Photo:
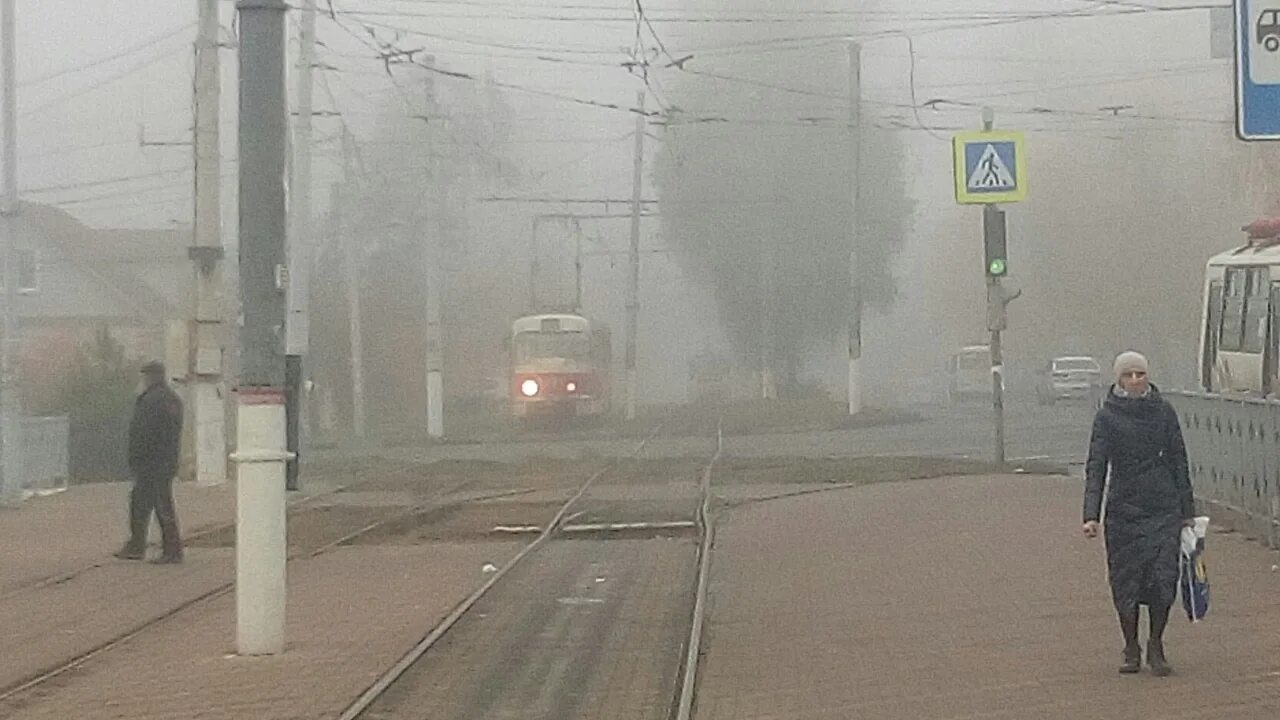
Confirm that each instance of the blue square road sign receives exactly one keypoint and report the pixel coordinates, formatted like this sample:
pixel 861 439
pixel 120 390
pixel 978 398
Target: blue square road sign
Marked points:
pixel 1257 39
pixel 990 168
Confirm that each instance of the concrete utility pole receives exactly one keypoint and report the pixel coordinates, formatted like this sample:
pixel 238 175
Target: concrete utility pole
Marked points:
pixel 205 362
pixel 534 265
pixel 577 267
pixel 633 267
pixel 260 452
pixel 301 240
pixel 768 324
pixel 352 279
pixel 434 266
pixel 11 450
pixel 855 261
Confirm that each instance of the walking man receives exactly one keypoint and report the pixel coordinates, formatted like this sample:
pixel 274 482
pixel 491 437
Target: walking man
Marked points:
pixel 155 434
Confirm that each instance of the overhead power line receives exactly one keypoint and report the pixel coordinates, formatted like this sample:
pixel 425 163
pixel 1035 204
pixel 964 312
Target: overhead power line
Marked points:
pixel 99 84
pixel 107 181
pixel 392 55
pixel 91 64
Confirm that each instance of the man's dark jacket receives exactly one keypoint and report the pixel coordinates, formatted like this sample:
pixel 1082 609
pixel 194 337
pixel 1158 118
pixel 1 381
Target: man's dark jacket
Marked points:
pixel 155 433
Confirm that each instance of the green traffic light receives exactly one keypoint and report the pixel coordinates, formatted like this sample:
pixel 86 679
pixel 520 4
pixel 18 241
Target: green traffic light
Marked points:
pixel 997 266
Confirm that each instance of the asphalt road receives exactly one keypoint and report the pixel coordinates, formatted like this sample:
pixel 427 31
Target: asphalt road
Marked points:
pixel 1057 433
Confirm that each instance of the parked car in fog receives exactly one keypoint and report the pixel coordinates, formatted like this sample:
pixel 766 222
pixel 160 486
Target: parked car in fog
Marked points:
pixel 969 374
pixel 1069 377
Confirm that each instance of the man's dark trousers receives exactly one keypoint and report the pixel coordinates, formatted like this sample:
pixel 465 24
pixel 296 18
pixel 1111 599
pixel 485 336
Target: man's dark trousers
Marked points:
pixel 153 492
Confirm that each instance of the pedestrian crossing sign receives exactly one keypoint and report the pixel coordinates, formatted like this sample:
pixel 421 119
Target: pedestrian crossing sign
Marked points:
pixel 990 168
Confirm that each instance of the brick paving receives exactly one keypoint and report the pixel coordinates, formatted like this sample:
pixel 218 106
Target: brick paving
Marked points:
pixel 66 532
pixel 56 623
pixel 61 592
pixel 79 528
pixel 351 615
pixel 958 600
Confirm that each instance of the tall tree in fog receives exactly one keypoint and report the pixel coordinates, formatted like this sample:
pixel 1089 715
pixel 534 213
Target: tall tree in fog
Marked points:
pixel 1114 243
pixel 755 182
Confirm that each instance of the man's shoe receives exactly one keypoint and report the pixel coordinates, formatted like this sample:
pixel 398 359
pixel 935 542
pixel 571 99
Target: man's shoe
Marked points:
pixel 128 553
pixel 167 559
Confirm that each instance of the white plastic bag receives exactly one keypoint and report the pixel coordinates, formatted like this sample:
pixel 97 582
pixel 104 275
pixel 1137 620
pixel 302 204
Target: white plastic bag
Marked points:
pixel 1193 578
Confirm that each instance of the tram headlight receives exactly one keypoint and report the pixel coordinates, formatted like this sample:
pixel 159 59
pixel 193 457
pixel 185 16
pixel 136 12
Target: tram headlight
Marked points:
pixel 571 386
pixel 529 387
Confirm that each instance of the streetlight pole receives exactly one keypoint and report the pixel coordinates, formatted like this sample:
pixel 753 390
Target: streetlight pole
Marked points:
pixel 260 448
pixel 855 260
pixel 11 470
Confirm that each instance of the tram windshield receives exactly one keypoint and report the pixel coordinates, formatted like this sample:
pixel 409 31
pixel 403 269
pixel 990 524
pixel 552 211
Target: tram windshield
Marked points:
pixel 567 345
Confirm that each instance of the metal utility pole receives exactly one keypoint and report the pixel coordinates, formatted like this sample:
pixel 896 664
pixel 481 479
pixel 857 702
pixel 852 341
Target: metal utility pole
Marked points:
pixel 633 268
pixel 993 223
pixel 260 447
pixel 434 268
pixel 205 362
pixel 11 467
pixel 855 263
pixel 297 327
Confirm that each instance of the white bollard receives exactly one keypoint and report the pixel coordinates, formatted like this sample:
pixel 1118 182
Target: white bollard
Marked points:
pixel 260 522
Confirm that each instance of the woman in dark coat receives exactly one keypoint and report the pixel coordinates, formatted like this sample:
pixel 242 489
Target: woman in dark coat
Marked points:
pixel 1136 434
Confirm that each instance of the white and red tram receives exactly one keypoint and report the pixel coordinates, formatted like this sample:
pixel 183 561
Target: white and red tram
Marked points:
pixel 560 365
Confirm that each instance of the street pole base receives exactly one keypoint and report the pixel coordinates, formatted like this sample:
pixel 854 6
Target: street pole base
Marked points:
pixel 260 522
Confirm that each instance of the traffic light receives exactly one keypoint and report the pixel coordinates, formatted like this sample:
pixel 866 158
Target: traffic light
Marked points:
pixel 995 249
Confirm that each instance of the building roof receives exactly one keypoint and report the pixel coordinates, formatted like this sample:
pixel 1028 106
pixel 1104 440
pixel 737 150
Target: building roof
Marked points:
pixel 145 271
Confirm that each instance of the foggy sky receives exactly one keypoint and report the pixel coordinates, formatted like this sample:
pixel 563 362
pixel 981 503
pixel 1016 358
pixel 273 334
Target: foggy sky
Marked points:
pixel 82 127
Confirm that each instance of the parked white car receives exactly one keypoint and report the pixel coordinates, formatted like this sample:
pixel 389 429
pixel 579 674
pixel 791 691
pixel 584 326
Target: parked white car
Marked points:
pixel 1070 377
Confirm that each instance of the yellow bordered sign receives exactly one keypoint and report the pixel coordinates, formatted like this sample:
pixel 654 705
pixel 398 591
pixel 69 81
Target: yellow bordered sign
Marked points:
pixel 990 167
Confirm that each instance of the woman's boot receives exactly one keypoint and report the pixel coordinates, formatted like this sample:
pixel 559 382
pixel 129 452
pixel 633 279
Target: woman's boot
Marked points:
pixel 1155 644
pixel 1132 650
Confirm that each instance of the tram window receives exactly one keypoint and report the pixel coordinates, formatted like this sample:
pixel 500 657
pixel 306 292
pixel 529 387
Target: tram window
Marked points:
pixel 1212 326
pixel 1255 324
pixel 1271 363
pixel 1231 338
pixel 1257 307
pixel 1255 331
pixel 568 345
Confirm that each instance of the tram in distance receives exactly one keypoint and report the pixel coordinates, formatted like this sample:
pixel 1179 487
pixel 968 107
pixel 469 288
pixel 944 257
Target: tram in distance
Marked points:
pixel 1240 319
pixel 560 366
